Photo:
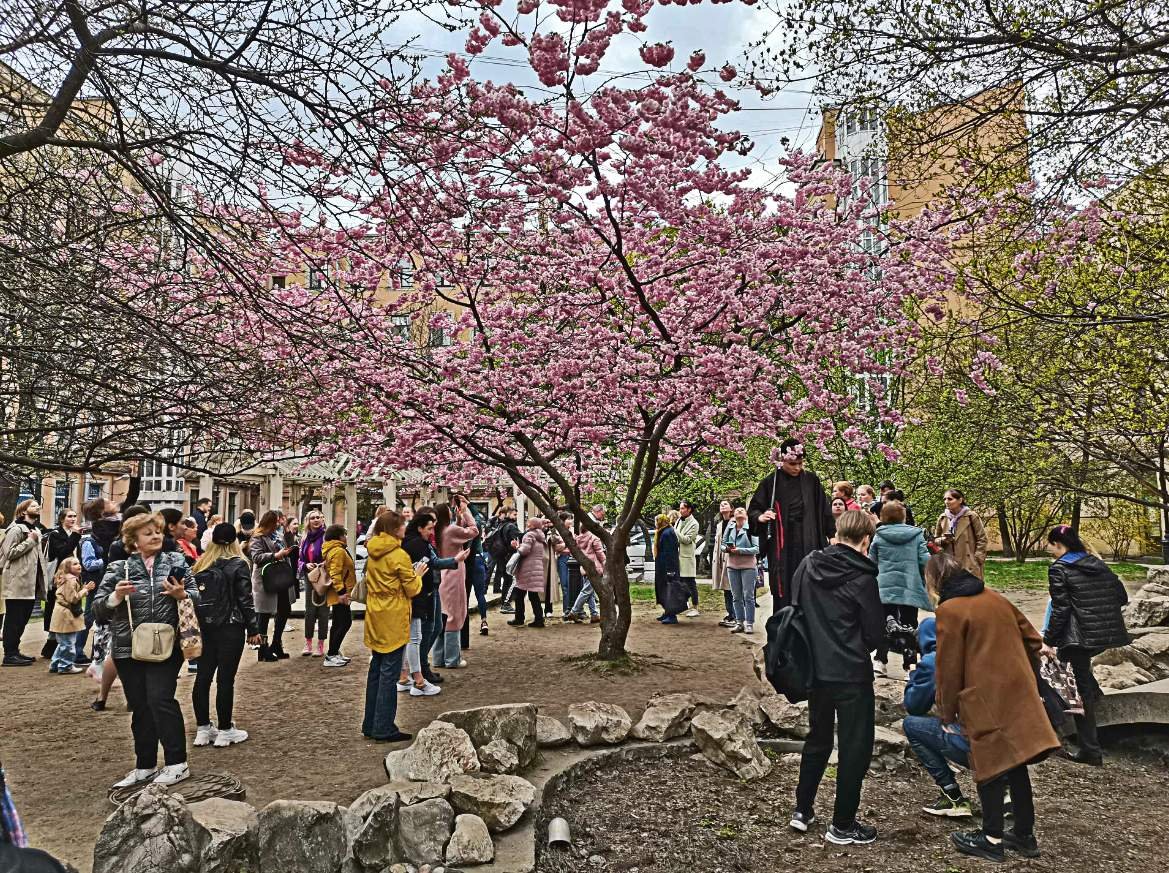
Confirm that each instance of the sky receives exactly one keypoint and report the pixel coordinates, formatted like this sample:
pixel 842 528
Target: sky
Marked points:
pixel 722 32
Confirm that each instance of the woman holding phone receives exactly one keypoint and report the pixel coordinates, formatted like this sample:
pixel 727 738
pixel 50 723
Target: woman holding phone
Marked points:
pixel 146 588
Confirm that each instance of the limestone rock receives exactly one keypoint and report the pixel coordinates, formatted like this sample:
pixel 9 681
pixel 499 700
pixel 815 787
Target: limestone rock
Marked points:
pixel 889 748
pixel 471 842
pixel 1158 576
pixel 759 665
pixel 726 739
pixel 789 719
pixel 373 821
pixel 1156 645
pixel 440 750
pixel 423 831
pixel 666 717
pixel 225 833
pixel 889 695
pixel 746 703
pixel 500 801
pixel 1147 611
pixel 498 756
pixel 307 836
pixel 512 723
pixel 1121 676
pixel 410 793
pixel 595 723
pixel 551 732
pixel 151 831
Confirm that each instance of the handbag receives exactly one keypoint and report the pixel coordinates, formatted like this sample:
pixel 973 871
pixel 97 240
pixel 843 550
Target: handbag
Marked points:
pixel 513 564
pixel 277 576
pixel 1062 680
pixel 318 578
pixel 190 636
pixel 151 641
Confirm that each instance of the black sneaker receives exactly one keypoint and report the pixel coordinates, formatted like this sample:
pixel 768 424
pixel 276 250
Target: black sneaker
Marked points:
pixel 975 844
pixel 801 821
pixel 1082 757
pixel 949 807
pixel 13 661
pixel 858 832
pixel 1028 847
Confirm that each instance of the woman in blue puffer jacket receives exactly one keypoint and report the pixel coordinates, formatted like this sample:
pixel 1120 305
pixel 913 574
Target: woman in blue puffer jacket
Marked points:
pixel 899 551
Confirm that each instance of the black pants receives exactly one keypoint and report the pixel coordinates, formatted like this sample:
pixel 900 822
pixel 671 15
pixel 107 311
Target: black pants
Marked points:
pixel 691 586
pixel 501 579
pixel 729 600
pixel 1086 735
pixel 852 705
pixel 283 611
pixel 902 614
pixel 150 692
pixel 222 649
pixel 534 599
pixel 16 616
pixel 992 793
pixel 340 621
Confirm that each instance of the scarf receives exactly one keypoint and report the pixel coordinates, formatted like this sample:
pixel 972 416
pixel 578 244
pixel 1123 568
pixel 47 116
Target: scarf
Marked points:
pixel 953 519
pixel 310 547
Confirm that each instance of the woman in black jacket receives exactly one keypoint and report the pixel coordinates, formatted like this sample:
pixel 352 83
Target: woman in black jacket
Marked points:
pixel 226 615
pixel 147 588
pixel 416 676
pixel 1086 618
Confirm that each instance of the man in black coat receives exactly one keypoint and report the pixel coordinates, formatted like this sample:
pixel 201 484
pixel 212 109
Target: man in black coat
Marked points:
pixel 837 594
pixel 791 516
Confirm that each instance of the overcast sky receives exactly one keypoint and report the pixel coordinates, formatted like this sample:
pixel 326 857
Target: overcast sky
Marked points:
pixel 722 31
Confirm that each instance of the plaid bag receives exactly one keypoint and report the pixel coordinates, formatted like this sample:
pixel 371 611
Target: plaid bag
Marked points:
pixel 1062 680
pixel 190 636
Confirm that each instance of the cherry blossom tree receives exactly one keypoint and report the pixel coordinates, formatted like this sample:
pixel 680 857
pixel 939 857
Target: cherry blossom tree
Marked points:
pixel 604 296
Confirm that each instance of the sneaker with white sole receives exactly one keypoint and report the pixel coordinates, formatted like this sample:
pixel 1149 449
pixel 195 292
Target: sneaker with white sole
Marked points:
pixel 727 622
pixel 335 661
pixel 403 687
pixel 206 735
pixel 693 613
pixel 801 821
pixel 738 629
pixel 427 689
pixel 748 628
pixel 230 737
pixel 171 774
pixel 134 777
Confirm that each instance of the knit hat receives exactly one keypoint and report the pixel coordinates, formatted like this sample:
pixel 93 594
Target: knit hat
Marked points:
pixel 223 533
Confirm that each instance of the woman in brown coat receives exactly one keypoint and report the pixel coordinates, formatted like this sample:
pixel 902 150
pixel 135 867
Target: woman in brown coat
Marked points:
pixel 962 533
pixel 987 668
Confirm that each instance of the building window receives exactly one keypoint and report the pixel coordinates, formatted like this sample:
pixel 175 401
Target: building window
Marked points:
pixel 279 281
pixel 232 506
pixel 406 274
pixel 60 496
pixel 439 337
pixel 315 279
pixel 93 489
pixel 868 118
pixel 401 328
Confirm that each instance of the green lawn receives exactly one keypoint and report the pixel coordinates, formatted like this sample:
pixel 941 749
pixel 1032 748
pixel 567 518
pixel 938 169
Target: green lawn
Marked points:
pixel 1032 576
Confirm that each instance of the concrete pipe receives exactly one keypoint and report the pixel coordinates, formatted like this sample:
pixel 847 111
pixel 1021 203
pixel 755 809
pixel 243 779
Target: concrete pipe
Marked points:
pixel 559 836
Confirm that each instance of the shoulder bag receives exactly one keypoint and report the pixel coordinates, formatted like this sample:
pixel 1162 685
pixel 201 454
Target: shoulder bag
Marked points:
pixel 151 641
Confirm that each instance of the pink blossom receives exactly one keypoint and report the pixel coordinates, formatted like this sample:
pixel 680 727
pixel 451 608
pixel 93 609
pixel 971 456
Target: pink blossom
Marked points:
pixel 697 59
pixel 727 73
pixel 657 55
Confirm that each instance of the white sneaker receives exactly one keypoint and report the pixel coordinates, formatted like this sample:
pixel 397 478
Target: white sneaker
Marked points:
pixel 335 661
pixel 748 628
pixel 229 737
pixel 694 613
pixel 428 689
pixel 403 687
pixel 205 735
pixel 880 668
pixel 134 777
pixel 171 774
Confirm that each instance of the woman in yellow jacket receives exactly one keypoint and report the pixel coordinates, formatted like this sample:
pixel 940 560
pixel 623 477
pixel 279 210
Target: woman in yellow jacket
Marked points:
pixel 342 580
pixel 391 582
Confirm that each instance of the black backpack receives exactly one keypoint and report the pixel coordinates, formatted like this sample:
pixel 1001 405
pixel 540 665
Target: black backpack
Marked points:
pixel 214 597
pixel 787 654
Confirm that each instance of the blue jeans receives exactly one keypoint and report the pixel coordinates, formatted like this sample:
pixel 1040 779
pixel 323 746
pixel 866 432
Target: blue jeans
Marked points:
pixel 381 694
pixel 562 571
pixel 477 571
pixel 935 748
pixel 743 593
pixel 447 651
pixel 65 654
pixel 587 595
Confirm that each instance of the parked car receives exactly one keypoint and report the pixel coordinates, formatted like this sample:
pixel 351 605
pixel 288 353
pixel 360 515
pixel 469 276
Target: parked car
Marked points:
pixel 640 558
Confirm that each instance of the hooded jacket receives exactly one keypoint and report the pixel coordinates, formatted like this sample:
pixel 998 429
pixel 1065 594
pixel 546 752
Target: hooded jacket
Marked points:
pixel 390 585
pixel 837 590
pixel 900 555
pixel 1086 602
pixel 920 688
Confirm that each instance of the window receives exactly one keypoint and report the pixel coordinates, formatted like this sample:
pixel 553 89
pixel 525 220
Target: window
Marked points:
pixel 439 337
pixel 401 328
pixel 232 506
pixel 160 477
pixel 406 273
pixel 279 281
pixel 315 279
pixel 60 496
pixel 868 118
pixel 93 489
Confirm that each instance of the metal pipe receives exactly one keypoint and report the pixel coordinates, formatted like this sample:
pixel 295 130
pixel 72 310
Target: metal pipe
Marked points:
pixel 559 836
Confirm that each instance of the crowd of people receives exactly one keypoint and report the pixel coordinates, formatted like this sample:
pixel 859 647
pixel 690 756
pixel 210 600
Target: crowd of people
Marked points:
pixel 136 587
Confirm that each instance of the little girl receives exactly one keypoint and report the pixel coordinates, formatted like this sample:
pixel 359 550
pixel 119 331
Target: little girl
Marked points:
pixel 68 618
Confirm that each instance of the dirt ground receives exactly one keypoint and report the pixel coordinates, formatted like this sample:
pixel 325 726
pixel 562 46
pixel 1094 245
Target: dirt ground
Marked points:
pixel 690 817
pixel 304 720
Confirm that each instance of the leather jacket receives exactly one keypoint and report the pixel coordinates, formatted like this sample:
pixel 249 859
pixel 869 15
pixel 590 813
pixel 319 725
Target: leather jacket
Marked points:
pixel 225 596
pixel 148 603
pixel 1086 601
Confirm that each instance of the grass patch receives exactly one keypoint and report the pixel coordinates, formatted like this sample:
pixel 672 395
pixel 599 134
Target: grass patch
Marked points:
pixel 708 598
pixel 629 664
pixel 1032 576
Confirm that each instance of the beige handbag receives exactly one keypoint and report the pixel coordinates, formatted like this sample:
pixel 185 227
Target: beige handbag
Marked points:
pixel 152 641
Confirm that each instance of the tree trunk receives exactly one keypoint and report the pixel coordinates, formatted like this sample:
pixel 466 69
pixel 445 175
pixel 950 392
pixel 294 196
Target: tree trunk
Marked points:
pixel 1005 531
pixel 613 591
pixel 1077 511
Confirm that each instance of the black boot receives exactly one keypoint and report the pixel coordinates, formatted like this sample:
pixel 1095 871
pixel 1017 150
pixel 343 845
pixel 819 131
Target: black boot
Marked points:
pixel 265 653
